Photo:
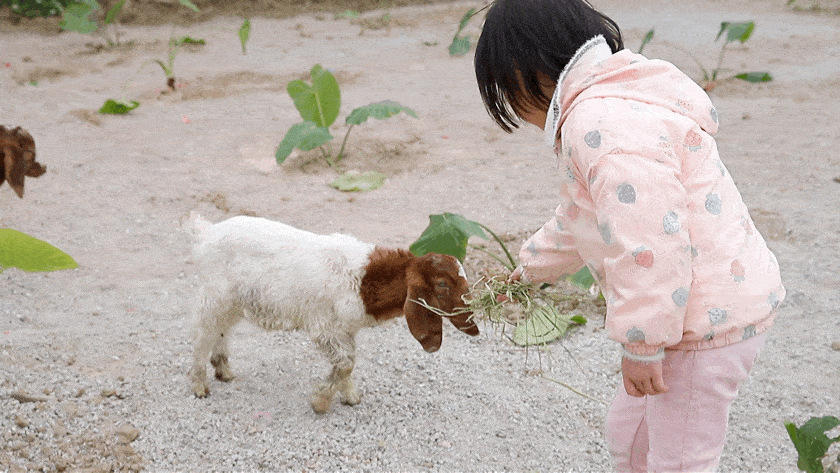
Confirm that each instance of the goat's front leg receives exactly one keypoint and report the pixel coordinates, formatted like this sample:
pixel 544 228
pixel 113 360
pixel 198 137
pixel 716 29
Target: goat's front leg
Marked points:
pixel 341 352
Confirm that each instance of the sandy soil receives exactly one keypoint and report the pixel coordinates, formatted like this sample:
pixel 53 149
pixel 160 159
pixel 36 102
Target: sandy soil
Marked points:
pixel 102 351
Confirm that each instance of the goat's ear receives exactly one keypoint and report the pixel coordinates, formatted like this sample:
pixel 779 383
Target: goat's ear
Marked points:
pixel 425 325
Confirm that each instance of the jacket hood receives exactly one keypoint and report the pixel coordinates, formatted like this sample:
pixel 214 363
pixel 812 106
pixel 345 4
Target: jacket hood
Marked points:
pixel 595 72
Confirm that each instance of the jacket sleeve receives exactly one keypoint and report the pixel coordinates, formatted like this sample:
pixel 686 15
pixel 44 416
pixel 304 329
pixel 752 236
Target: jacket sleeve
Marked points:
pixel 550 254
pixel 641 208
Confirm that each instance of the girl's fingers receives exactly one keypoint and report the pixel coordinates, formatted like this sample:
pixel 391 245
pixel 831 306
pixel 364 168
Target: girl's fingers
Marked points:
pixel 659 385
pixel 631 388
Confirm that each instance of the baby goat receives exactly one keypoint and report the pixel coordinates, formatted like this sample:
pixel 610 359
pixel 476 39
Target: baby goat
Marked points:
pixel 282 278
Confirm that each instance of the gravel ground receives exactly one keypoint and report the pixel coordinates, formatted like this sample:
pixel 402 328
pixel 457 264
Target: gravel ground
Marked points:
pixel 93 361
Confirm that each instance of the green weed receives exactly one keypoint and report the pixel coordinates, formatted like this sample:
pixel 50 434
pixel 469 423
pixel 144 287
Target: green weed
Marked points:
pixel 811 442
pixel 19 250
pixel 318 104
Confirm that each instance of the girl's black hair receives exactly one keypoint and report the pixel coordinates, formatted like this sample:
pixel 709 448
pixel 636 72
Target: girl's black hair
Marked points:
pixel 523 37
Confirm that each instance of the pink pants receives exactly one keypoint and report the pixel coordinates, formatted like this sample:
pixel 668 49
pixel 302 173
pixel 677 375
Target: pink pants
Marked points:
pixel 683 429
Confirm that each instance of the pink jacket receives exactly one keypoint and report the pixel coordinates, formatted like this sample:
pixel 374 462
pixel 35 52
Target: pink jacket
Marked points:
pixel 648 206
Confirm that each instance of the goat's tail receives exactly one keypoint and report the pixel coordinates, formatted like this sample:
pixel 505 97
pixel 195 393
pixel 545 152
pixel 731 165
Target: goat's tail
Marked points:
pixel 196 227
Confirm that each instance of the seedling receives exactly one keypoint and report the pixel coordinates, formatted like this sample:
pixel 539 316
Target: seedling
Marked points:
pixel 79 17
pixel 318 104
pixel 244 34
pixel 461 44
pixel 811 442
pixel 646 40
pixel 35 8
pixel 174 46
pixel 735 31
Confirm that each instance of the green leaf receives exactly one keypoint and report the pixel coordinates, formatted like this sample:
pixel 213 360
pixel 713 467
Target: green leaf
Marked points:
pixel 646 40
pixel 77 17
pixel 355 182
pixel 543 325
pixel 244 33
pixel 319 102
pixel 460 46
pixel 189 4
pixel 755 77
pixel 464 20
pixel 189 40
pixel 379 110
pixel 579 319
pixel 113 12
pixel 118 108
pixel 346 14
pixel 740 31
pixel 447 234
pixel 583 279
pixel 811 442
pixel 303 136
pixel 19 250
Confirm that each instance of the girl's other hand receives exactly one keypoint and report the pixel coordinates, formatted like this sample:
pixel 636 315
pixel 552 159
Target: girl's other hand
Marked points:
pixel 642 378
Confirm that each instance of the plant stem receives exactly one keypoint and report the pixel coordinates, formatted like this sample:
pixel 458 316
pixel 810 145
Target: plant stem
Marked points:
pixel 344 143
pixel 504 248
pixel 326 156
pixel 720 61
pixel 574 390
pixel 500 260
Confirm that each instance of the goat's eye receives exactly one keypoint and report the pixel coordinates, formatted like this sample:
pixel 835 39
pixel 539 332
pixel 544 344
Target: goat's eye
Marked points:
pixel 441 284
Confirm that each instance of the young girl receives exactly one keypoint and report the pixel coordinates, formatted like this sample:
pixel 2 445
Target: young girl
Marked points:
pixel 647 205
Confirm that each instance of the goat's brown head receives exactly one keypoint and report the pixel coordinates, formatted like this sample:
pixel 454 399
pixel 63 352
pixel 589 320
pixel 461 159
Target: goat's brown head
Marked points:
pixel 17 158
pixel 441 282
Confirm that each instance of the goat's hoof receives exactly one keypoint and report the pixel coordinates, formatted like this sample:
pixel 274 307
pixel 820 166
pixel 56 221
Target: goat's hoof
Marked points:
pixel 321 404
pixel 352 399
pixel 225 376
pixel 201 391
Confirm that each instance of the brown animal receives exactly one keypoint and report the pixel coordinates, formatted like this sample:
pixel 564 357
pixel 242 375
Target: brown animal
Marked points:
pixel 17 158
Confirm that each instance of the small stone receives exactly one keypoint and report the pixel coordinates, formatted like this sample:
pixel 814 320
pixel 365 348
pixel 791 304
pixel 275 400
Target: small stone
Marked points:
pixel 128 432
pixel 21 421
pixel 21 396
pixel 836 345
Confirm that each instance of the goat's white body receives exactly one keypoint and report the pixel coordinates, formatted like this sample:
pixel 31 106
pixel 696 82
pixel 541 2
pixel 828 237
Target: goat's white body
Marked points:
pixel 279 278
pixel 283 278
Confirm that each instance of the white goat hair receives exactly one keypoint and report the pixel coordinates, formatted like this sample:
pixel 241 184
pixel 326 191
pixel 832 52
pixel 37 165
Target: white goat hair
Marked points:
pixel 282 278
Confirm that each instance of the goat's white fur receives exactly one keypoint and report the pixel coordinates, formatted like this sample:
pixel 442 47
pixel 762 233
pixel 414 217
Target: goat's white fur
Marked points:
pixel 280 278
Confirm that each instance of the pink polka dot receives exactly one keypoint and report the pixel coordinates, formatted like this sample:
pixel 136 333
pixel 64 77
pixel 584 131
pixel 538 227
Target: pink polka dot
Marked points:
pixel 573 211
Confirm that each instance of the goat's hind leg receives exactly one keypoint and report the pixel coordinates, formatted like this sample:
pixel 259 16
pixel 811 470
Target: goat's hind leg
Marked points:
pixel 341 352
pixel 212 333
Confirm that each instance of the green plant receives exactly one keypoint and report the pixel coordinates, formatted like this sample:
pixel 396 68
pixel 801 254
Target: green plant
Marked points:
pixel 648 37
pixel 114 107
pixel 19 250
pixel 319 104
pixel 811 442
pixel 461 44
pixel 34 8
pixel 174 46
pixel 533 311
pixel 244 33
pixel 80 17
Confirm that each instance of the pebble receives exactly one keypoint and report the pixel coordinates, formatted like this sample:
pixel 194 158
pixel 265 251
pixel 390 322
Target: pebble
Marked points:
pixel 836 345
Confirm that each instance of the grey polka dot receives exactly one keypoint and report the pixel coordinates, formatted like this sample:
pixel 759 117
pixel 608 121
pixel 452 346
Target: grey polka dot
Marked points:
pixel 693 251
pixel 773 300
pixel 593 139
pixel 713 204
pixel 604 228
pixel 635 334
pixel 749 332
pixel 671 223
pixel 680 296
pixel 626 194
pixel 532 248
pixel 721 168
pixel 714 115
pixel 717 316
pixel 709 336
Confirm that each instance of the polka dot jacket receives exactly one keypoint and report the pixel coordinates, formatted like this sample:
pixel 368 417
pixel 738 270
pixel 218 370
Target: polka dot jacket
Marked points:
pixel 648 206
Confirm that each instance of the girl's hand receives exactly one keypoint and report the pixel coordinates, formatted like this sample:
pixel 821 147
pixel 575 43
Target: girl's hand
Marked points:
pixel 516 275
pixel 642 378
